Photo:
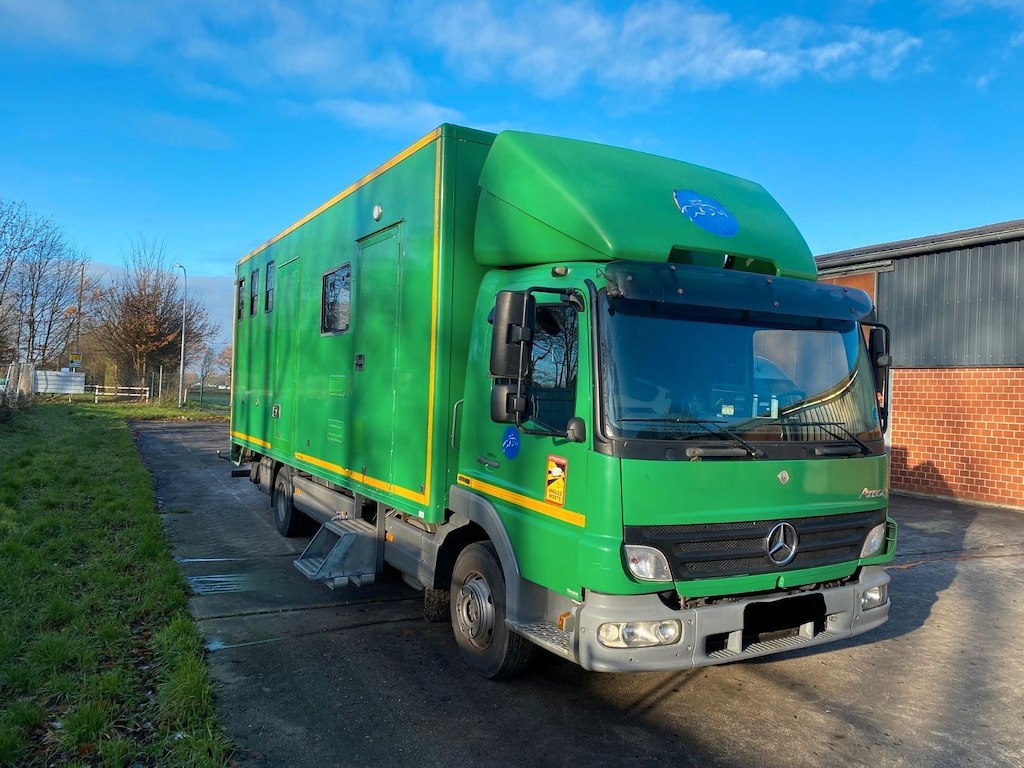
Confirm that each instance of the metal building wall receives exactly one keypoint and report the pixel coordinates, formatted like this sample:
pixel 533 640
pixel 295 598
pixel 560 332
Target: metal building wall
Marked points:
pixel 962 307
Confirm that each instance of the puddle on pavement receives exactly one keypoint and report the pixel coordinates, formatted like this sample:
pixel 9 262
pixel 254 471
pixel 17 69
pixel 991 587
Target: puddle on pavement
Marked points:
pixel 218 583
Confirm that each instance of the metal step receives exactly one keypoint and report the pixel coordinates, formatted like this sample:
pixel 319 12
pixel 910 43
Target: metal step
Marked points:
pixel 342 553
pixel 547 635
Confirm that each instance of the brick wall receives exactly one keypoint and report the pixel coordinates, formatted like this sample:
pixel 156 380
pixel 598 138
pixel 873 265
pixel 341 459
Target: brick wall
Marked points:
pixel 959 432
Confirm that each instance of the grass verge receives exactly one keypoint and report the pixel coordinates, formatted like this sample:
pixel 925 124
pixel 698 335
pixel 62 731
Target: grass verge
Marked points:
pixel 166 410
pixel 100 662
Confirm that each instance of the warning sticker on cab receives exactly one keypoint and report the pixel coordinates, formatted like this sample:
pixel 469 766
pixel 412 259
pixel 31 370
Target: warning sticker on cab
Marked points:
pixel 557 475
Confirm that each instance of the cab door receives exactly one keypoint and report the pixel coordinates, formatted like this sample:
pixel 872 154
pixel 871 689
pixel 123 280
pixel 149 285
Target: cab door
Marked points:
pixel 535 477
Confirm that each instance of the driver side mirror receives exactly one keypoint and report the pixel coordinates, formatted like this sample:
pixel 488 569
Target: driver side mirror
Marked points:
pixel 881 361
pixel 512 337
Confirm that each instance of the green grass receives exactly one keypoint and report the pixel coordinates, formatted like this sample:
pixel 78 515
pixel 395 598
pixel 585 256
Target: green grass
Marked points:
pixel 215 407
pixel 100 663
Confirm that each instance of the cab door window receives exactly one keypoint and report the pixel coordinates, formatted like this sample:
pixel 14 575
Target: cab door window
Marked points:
pixel 554 365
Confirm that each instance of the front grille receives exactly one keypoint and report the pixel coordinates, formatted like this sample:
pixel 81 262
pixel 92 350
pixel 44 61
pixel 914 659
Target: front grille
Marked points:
pixel 738 549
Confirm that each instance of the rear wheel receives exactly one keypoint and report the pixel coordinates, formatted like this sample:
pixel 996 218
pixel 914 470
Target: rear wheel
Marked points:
pixel 478 615
pixel 287 519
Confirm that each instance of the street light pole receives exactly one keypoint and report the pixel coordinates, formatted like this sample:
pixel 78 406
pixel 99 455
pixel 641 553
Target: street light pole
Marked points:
pixel 181 368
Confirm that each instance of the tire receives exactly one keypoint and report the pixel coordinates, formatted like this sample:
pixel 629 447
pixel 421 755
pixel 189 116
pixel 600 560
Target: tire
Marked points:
pixel 477 610
pixel 289 521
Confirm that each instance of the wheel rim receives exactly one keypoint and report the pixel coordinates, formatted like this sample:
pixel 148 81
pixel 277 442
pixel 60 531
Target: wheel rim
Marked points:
pixel 475 611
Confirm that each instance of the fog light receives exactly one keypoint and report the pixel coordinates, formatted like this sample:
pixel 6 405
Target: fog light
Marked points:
pixel 639 634
pixel 647 563
pixel 874 542
pixel 872 597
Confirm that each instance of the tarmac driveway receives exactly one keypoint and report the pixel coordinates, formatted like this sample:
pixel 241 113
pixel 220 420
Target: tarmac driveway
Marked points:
pixel 310 677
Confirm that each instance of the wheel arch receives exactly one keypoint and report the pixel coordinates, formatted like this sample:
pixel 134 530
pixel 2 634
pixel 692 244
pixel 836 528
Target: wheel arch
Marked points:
pixel 474 518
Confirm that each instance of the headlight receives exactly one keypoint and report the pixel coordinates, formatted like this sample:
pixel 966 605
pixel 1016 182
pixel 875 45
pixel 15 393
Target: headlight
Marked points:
pixel 874 542
pixel 872 597
pixel 647 563
pixel 639 634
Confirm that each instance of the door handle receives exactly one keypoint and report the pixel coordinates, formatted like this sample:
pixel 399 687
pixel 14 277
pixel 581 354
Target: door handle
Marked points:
pixel 360 362
pixel 488 462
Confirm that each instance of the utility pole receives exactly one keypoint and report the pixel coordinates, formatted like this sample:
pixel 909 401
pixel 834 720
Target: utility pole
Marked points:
pixel 181 369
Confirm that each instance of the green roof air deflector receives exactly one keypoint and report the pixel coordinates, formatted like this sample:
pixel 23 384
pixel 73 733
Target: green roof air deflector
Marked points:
pixel 545 199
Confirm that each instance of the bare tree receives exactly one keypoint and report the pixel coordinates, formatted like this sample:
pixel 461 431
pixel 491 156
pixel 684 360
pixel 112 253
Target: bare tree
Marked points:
pixel 137 321
pixel 42 287
pixel 19 231
pixel 224 361
pixel 51 284
pixel 205 363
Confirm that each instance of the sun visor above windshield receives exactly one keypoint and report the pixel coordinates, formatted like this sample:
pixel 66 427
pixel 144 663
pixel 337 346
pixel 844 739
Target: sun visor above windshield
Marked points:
pixel 546 200
pixel 728 289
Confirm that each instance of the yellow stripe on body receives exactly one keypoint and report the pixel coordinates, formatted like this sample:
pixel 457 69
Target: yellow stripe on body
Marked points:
pixel 534 505
pixel 251 439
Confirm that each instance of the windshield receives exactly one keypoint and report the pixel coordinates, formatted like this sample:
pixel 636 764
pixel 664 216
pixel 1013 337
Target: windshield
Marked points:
pixel 672 372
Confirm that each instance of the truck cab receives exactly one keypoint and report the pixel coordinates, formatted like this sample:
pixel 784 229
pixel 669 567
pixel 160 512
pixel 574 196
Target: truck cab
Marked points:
pixel 689 459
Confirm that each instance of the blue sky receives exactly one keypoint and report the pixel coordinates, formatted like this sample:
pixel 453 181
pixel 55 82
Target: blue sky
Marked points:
pixel 214 125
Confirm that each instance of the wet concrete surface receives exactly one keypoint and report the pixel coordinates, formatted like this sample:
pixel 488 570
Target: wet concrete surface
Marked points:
pixel 311 677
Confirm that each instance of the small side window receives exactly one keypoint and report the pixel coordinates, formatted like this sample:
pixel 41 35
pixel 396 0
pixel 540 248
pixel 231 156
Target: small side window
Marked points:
pixel 337 299
pixel 254 291
pixel 240 300
pixel 268 291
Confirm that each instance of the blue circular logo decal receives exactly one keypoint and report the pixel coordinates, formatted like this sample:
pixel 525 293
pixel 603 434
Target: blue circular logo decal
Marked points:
pixel 510 443
pixel 706 212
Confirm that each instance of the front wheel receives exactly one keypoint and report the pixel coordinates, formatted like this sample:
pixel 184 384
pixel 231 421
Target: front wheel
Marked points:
pixel 477 607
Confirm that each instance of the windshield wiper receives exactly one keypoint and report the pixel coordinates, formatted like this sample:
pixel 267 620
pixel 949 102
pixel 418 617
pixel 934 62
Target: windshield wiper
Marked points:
pixel 824 425
pixel 721 431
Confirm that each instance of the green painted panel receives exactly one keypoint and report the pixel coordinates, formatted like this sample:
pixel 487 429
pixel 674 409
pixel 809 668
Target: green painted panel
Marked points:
pixel 549 199
pixel 335 431
pixel 337 385
pixel 678 492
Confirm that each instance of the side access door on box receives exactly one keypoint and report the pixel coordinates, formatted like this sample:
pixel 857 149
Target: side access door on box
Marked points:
pixel 284 356
pixel 376 327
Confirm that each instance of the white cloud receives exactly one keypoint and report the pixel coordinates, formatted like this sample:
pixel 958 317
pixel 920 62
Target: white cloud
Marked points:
pixel 401 118
pixel 390 48
pixel 258 43
pixel 655 44
pixel 982 81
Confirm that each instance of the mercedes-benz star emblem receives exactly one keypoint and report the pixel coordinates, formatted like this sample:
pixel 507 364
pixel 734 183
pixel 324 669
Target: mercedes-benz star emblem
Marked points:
pixel 780 544
pixel 783 477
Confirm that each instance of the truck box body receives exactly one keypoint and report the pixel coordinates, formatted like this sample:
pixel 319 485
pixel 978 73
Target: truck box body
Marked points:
pixel 383 426
pixel 665 306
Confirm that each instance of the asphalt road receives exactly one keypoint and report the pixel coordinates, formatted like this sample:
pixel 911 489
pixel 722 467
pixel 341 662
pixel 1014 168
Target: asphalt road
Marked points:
pixel 310 677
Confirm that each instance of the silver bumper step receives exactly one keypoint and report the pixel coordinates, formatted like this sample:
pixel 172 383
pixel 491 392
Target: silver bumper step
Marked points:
pixel 548 636
pixel 342 553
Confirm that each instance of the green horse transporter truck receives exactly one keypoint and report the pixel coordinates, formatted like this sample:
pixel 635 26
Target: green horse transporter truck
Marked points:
pixel 585 398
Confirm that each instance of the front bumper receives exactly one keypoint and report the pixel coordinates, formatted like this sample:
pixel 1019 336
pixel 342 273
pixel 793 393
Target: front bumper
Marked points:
pixel 714 634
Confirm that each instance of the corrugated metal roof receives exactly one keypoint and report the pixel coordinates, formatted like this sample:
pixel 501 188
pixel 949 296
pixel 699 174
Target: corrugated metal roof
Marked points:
pixel 963 238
